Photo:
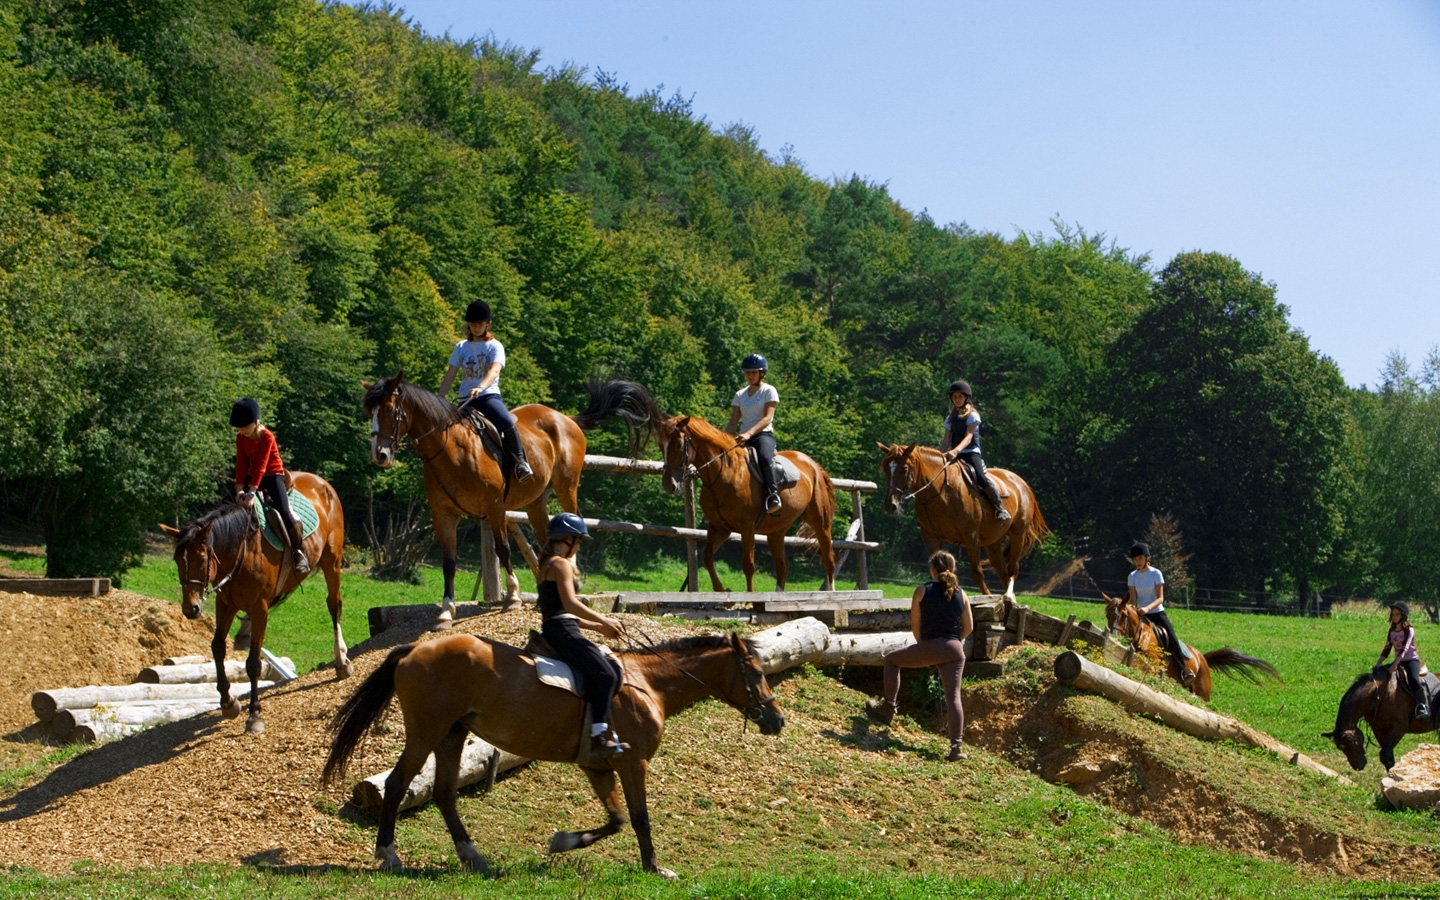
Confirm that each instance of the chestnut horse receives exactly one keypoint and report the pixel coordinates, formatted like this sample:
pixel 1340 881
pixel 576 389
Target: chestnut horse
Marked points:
pixel 1124 618
pixel 462 479
pixel 223 553
pixel 949 509
pixel 1378 698
pixel 733 502
pixel 460 684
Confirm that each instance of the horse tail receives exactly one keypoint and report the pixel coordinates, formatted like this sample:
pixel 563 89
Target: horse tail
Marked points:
pixel 359 713
pixel 627 400
pixel 824 500
pixel 1232 662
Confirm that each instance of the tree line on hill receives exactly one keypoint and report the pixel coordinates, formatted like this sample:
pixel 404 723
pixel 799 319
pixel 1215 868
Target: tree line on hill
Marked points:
pixel 204 199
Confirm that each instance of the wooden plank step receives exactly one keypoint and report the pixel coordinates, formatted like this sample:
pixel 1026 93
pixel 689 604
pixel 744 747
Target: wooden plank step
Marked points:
pixel 832 599
pixel 74 587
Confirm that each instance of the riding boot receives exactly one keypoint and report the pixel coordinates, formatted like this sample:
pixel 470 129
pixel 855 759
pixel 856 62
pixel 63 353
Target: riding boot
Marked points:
pixel 297 541
pixel 772 496
pixel 511 439
pixel 607 744
pixel 992 491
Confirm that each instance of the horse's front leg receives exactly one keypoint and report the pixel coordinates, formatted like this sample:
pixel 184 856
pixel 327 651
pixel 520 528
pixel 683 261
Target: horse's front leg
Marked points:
pixel 501 534
pixel 777 553
pixel 632 776
pixel 253 723
pixel 714 537
pixel 444 523
pixel 608 790
pixel 224 616
pixel 747 558
pixel 343 669
pixel 447 784
pixel 973 551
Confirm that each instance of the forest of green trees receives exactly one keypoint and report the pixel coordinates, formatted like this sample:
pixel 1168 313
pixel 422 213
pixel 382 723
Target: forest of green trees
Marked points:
pixel 203 199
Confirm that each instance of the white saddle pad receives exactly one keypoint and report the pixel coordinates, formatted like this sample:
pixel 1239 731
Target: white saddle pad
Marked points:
pixel 560 674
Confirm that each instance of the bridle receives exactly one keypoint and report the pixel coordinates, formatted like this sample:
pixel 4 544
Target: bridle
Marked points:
pixel 687 452
pixel 754 711
pixel 944 467
pixel 207 585
pixel 398 418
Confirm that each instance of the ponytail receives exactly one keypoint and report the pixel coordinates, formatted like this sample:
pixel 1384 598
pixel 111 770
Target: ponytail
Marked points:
pixel 943 565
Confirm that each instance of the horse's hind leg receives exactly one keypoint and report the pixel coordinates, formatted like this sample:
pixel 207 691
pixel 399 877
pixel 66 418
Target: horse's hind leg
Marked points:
pixel 447 785
pixel 608 790
pixel 411 761
pixel 502 554
pixel 777 553
pixel 343 669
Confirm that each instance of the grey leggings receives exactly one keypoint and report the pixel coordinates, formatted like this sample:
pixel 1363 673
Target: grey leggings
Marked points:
pixel 945 654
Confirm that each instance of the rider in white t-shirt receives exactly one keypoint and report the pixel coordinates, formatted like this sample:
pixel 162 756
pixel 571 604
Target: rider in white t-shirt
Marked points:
pixel 752 412
pixel 478 360
pixel 1147 592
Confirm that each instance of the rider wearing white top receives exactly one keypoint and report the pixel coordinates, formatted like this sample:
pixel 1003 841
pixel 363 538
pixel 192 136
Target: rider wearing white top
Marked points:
pixel 478 360
pixel 752 412
pixel 1147 592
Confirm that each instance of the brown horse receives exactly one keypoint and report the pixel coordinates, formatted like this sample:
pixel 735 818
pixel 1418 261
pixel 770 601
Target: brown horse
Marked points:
pixel 1378 698
pixel 462 479
pixel 950 509
pixel 732 500
pixel 223 553
pixel 1124 618
pixel 461 683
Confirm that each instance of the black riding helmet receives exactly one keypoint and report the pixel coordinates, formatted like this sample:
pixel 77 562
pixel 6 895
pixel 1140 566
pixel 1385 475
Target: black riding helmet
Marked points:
pixel 477 311
pixel 245 411
pixel 961 386
pixel 1139 548
pixel 755 362
pixel 567 524
pixel 1403 607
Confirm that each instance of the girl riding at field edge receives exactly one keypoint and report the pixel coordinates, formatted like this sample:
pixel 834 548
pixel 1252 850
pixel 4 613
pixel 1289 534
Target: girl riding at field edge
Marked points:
pixel 258 467
pixel 562 615
pixel 961 440
pixel 1146 590
pixel 481 357
pixel 752 412
pixel 1401 639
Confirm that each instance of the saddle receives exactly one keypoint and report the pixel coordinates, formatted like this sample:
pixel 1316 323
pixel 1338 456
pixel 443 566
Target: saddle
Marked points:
pixel 1428 682
pixel 786 472
pixel 270 524
pixel 560 674
pixel 489 434
pixel 968 476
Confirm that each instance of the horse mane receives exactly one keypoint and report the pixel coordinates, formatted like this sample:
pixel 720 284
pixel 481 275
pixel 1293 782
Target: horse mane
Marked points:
pixel 426 403
pixel 690 644
pixel 1349 698
pixel 230 524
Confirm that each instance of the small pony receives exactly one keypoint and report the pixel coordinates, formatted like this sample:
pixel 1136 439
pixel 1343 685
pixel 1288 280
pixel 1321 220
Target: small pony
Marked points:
pixel 1124 618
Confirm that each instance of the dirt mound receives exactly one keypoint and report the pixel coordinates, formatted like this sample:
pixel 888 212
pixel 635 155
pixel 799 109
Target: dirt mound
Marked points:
pixel 1203 793
pixel 202 790
pixel 51 642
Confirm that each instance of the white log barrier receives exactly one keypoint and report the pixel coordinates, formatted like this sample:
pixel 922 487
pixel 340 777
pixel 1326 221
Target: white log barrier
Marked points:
pixel 790 644
pixel 1074 669
pixel 479 761
pixel 203 673
pixel 46 703
pixel 101 723
pixel 186 660
pixel 866 649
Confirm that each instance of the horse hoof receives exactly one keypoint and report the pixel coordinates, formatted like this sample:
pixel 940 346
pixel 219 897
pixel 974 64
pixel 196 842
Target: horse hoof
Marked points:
pixel 512 605
pixel 230 710
pixel 665 873
pixel 389 859
pixel 255 725
pixel 563 841
pixel 344 670
pixel 471 859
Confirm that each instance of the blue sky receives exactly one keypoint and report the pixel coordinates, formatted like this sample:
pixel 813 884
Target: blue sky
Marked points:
pixel 1303 139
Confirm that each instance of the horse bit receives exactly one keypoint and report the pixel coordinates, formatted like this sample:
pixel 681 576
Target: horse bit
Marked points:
pixel 204 584
pixel 912 495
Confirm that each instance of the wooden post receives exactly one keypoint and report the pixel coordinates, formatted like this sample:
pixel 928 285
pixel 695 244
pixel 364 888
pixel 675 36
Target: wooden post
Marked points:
pixel 525 549
pixel 692 548
pixel 862 563
pixel 1024 612
pixel 1065 632
pixel 1130 655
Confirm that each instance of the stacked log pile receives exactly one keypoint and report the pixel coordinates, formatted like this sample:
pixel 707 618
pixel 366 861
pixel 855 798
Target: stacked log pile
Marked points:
pixel 181 688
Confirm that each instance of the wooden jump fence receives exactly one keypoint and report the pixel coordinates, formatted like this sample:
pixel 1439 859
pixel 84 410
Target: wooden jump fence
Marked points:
pixel 489 577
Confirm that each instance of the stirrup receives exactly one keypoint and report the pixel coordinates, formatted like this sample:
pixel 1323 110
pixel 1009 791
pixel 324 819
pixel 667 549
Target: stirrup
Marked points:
pixel 302 565
pixel 607 744
pixel 772 502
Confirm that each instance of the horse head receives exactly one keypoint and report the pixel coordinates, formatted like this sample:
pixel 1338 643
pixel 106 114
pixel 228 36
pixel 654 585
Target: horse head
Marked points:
pixel 1120 611
pixel 899 466
pixel 755 699
pixel 388 421
pixel 195 563
pixel 677 450
pixel 1357 703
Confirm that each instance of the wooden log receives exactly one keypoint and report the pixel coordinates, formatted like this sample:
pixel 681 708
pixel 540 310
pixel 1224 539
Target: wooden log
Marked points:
pixel 68 724
pixel 1024 613
pixel 879 620
pixel 985 608
pixel 1064 637
pixel 862 649
pixel 1073 669
pixel 1038 626
pixel 775 601
pixel 204 673
pixel 186 660
pixel 479 761
pixel 984 668
pixel 988 640
pixel 791 644
pixel 60 587
pixel 45 703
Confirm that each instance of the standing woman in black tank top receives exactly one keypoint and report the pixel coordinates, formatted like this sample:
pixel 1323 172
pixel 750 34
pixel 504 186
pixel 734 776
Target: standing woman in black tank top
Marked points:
pixel 562 615
pixel 941 620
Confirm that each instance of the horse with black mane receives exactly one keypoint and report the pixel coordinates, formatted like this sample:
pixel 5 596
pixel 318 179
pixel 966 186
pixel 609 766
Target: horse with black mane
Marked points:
pixel 463 478
pixel 459 684
pixel 1378 698
pixel 224 553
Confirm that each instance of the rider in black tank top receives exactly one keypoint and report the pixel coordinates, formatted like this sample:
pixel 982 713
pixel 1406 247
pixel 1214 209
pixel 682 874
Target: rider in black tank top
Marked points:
pixel 940 615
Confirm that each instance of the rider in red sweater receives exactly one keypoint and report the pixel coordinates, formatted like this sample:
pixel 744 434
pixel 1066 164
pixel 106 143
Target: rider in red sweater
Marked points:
pixel 258 467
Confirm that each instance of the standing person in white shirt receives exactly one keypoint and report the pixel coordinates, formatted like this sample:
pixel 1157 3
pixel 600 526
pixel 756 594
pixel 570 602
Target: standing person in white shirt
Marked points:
pixel 480 357
pixel 1147 592
pixel 753 412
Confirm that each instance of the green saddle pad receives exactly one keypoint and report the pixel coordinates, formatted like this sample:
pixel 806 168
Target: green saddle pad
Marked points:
pixel 304 512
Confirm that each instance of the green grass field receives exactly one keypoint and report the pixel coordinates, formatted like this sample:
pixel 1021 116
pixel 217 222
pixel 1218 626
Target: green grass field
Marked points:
pixel 1037 840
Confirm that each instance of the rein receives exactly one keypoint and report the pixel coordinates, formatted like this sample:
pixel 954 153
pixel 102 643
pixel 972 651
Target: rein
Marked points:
pixel 752 713
pixel 692 470
pixel 399 415
pixel 945 467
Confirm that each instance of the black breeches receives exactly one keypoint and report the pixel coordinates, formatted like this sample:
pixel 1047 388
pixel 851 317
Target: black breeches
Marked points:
pixel 1412 675
pixel 764 444
pixel 1172 641
pixel 272 488
pixel 602 675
